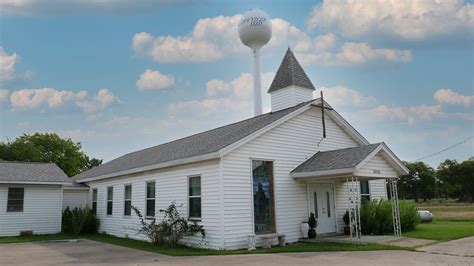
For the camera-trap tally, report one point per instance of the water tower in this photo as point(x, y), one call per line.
point(255, 30)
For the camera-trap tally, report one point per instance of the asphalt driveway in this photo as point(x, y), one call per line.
point(88, 252)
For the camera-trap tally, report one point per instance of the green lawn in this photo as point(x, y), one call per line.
point(444, 229)
point(188, 251)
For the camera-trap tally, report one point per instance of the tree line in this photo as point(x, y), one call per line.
point(451, 179)
point(48, 148)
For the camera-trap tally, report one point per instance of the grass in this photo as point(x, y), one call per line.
point(189, 251)
point(452, 220)
point(444, 229)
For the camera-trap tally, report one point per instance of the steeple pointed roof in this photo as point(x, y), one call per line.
point(290, 73)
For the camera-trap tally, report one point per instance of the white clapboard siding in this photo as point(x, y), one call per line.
point(42, 211)
point(73, 198)
point(288, 145)
point(171, 185)
point(379, 164)
point(289, 96)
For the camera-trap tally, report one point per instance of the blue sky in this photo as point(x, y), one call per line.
point(119, 76)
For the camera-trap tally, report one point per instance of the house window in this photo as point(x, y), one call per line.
point(263, 197)
point(110, 200)
point(94, 200)
point(15, 199)
point(150, 199)
point(364, 190)
point(127, 200)
point(194, 197)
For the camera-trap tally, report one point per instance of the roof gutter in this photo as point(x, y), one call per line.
point(323, 173)
point(194, 159)
point(33, 182)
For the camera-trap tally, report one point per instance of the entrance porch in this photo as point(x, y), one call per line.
point(338, 180)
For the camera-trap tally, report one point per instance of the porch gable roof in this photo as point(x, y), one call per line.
point(345, 161)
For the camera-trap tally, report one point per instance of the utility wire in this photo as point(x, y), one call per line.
point(445, 149)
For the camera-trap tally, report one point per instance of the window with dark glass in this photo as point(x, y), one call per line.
point(127, 200)
point(263, 197)
point(94, 200)
point(150, 199)
point(194, 196)
point(15, 199)
point(110, 200)
point(364, 190)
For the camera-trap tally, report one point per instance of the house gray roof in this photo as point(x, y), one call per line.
point(336, 159)
point(11, 172)
point(290, 73)
point(198, 144)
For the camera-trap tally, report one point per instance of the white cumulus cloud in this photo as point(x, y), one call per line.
point(215, 38)
point(225, 96)
point(408, 20)
point(341, 96)
point(28, 99)
point(154, 80)
point(99, 102)
point(52, 98)
point(448, 96)
point(8, 73)
point(410, 114)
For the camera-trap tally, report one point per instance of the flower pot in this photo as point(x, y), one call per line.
point(312, 233)
point(347, 230)
point(304, 229)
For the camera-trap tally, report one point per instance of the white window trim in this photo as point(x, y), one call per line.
point(125, 199)
point(107, 201)
point(191, 197)
point(147, 198)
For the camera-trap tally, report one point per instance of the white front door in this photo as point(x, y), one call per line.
point(321, 203)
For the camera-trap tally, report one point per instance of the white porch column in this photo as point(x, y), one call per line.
point(397, 229)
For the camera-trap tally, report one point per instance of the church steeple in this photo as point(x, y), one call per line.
point(291, 85)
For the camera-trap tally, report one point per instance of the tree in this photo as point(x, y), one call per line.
point(48, 147)
point(446, 175)
point(465, 179)
point(419, 183)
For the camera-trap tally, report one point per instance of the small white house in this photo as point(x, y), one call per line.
point(31, 197)
point(258, 176)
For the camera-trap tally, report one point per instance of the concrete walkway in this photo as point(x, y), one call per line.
point(460, 247)
point(86, 252)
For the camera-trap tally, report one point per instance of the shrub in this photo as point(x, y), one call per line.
point(171, 229)
point(376, 217)
point(79, 221)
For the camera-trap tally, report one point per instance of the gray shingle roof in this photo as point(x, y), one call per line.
point(198, 144)
point(32, 172)
point(336, 159)
point(290, 73)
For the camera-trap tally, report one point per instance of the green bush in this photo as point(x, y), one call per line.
point(171, 229)
point(376, 217)
point(79, 221)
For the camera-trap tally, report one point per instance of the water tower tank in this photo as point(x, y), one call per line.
point(255, 28)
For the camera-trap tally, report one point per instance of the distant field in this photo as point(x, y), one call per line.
point(448, 209)
point(452, 220)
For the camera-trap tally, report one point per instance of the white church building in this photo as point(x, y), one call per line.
point(259, 176)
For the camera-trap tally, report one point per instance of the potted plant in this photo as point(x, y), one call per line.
point(347, 229)
point(304, 229)
point(312, 226)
